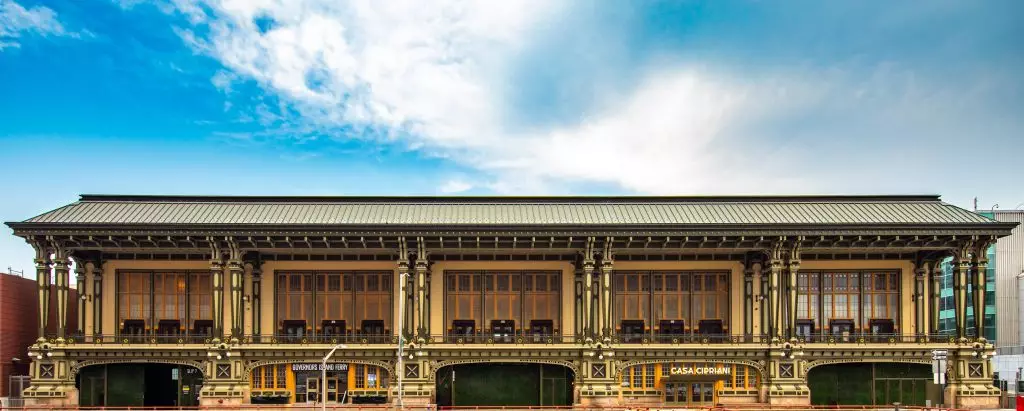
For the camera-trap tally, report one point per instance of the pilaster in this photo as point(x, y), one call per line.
point(236, 271)
point(588, 289)
point(422, 289)
point(748, 295)
point(935, 277)
point(97, 294)
point(607, 265)
point(793, 267)
point(80, 271)
point(774, 290)
point(256, 261)
point(922, 269)
point(217, 275)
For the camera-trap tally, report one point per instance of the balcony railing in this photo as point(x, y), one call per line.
point(138, 339)
point(635, 338)
point(519, 339)
point(516, 338)
point(869, 338)
point(322, 339)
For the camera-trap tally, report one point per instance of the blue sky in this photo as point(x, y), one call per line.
point(327, 97)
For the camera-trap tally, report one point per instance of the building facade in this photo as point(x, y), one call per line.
point(506, 301)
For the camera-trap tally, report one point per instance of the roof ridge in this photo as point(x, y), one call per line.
point(747, 199)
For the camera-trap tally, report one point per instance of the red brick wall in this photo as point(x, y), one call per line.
point(19, 326)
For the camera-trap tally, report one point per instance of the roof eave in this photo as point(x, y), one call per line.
point(993, 228)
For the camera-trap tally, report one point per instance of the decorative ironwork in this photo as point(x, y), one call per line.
point(46, 371)
point(412, 370)
point(975, 370)
point(223, 370)
point(598, 370)
point(786, 370)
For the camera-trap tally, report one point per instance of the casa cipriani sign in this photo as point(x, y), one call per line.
point(700, 370)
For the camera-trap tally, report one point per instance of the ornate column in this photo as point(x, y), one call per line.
point(607, 265)
point(578, 298)
point(920, 270)
point(748, 295)
point(762, 298)
point(793, 264)
point(404, 294)
point(588, 292)
point(422, 284)
point(774, 297)
point(61, 277)
point(217, 274)
point(236, 270)
point(935, 275)
point(256, 261)
point(43, 263)
point(80, 271)
point(980, 268)
point(97, 295)
point(961, 270)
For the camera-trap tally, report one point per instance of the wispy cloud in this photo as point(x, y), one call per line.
point(16, 21)
point(455, 186)
point(434, 77)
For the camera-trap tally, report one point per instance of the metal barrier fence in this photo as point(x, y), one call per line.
point(633, 407)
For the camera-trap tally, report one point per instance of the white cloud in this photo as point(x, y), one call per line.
point(433, 76)
point(455, 186)
point(16, 20)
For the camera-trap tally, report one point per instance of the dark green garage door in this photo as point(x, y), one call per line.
point(504, 384)
point(872, 384)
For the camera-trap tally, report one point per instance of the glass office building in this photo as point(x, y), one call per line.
point(947, 318)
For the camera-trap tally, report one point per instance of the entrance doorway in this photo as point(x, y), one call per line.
point(504, 384)
point(333, 392)
point(149, 384)
point(691, 394)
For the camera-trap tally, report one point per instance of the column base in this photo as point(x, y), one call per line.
point(789, 393)
point(415, 402)
point(972, 396)
point(51, 395)
point(218, 393)
point(599, 401)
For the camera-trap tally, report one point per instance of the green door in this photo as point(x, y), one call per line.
point(125, 385)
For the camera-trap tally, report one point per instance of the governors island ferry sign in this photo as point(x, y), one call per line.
point(700, 370)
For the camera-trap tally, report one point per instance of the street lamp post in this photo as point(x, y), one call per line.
point(323, 376)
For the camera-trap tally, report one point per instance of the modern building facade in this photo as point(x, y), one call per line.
point(564, 300)
point(1009, 300)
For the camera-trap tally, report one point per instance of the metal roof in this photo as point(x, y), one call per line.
point(112, 210)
